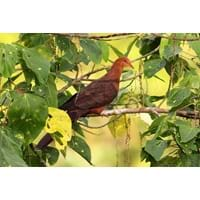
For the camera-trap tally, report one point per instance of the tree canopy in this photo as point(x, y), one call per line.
point(157, 106)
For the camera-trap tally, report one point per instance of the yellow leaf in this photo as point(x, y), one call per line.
point(59, 121)
point(118, 127)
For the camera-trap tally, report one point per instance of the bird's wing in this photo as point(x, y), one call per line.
point(97, 94)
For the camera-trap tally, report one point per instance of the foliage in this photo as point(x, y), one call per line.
point(30, 97)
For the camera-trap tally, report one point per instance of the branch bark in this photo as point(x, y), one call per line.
point(155, 110)
point(88, 36)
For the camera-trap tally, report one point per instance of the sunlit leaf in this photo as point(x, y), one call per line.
point(59, 121)
point(117, 126)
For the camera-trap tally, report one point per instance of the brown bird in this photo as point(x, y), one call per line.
point(94, 97)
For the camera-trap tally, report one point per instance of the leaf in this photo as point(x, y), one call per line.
point(8, 59)
point(156, 148)
point(63, 97)
point(148, 45)
point(163, 43)
point(151, 67)
point(10, 151)
point(32, 157)
point(65, 65)
point(117, 126)
point(130, 46)
point(76, 127)
point(34, 39)
point(191, 160)
point(48, 91)
point(27, 114)
point(82, 57)
point(177, 96)
point(187, 132)
point(66, 45)
point(81, 147)
point(37, 64)
point(195, 45)
point(50, 154)
point(92, 49)
point(105, 50)
point(116, 51)
point(127, 74)
point(170, 51)
point(11, 79)
point(179, 67)
point(59, 121)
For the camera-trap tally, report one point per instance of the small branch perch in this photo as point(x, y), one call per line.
point(180, 113)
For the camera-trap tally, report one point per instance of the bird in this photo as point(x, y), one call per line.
point(94, 97)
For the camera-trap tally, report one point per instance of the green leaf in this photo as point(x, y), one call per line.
point(156, 148)
point(163, 43)
point(37, 64)
point(92, 49)
point(11, 79)
point(8, 59)
point(195, 45)
point(148, 45)
point(81, 147)
point(187, 132)
point(33, 157)
point(116, 51)
point(50, 154)
point(76, 127)
point(66, 45)
point(82, 57)
point(65, 65)
point(10, 151)
point(27, 114)
point(177, 96)
point(105, 50)
point(48, 91)
point(191, 160)
point(130, 46)
point(151, 67)
point(170, 51)
point(34, 39)
point(127, 74)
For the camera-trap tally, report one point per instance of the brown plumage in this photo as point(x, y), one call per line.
point(93, 98)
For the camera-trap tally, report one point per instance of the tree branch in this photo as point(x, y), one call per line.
point(155, 110)
point(176, 38)
point(88, 36)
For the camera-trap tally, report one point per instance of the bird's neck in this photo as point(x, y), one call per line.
point(115, 72)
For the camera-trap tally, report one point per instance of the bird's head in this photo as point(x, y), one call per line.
point(123, 62)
